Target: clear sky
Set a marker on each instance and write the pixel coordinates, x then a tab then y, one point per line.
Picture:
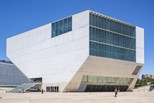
17	16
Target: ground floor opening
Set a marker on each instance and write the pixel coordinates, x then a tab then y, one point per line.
52	89
104	88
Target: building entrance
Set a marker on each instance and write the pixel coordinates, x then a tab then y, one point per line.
104	88
52	89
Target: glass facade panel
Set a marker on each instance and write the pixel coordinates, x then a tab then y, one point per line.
85	78
104	50
106	80
10	75
62	26
112	39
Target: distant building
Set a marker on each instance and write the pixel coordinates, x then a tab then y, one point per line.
87	51
152	76
10	75
145	76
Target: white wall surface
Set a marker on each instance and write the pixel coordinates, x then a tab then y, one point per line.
139	45
56	59
59	59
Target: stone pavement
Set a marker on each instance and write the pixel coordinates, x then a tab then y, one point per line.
97	97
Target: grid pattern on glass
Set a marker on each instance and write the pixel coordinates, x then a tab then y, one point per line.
62	26
103	50
11	75
112	25
106	80
112	39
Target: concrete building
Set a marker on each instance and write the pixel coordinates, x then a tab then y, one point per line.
10	75
145	76
87	51
152	76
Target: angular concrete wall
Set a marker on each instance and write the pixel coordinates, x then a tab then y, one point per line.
63	60
139	45
107	67
56	59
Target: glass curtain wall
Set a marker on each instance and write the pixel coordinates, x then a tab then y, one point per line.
106	80
112	38
10	75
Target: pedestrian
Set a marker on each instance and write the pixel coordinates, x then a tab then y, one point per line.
42	91
19	91
116	92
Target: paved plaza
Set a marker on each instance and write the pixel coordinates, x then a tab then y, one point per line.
97	97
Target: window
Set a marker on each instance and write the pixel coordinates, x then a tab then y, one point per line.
111	38
108	80
137	69
52	89
61	26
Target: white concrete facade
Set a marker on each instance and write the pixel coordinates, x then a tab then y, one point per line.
139	45
63	60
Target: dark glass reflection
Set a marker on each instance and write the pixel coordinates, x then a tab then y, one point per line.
112	39
62	26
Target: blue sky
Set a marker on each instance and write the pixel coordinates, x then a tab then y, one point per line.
17	16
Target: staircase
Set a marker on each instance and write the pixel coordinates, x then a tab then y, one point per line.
23	87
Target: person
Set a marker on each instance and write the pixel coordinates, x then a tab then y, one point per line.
19	91
23	91
42	91
116	92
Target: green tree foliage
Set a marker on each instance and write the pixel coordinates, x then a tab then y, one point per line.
152	82
144	82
